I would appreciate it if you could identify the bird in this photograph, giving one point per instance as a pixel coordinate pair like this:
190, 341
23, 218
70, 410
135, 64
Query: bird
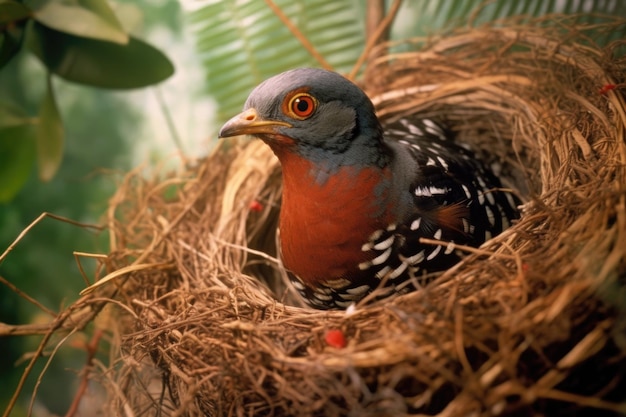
358, 196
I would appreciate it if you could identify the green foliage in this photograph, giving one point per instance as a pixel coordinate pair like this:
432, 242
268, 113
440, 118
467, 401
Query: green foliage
96, 62
95, 142
17, 139
49, 135
12, 14
19, 143
82, 41
101, 127
244, 42
87, 19
420, 18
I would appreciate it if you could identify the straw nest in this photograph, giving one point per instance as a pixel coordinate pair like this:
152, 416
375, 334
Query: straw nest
532, 323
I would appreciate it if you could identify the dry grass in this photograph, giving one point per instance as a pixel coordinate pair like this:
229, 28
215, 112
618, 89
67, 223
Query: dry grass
531, 324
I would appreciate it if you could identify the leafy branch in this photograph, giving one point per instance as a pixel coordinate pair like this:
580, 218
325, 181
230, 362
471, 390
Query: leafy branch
81, 41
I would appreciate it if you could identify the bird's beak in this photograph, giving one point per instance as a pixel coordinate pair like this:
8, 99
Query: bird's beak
248, 122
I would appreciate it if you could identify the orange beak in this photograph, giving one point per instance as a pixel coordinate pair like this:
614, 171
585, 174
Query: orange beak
248, 122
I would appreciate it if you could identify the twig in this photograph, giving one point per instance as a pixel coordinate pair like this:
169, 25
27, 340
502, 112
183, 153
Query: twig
459, 342
92, 348
23, 329
375, 14
36, 221
112, 383
27, 297
53, 327
24, 232
263, 255
27, 371
582, 400
123, 271
78, 255
465, 248
371, 41
299, 35
171, 126
45, 368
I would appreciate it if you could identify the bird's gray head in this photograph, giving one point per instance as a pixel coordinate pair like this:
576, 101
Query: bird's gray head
316, 113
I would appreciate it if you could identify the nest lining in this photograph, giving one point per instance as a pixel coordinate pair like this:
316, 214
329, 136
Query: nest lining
208, 326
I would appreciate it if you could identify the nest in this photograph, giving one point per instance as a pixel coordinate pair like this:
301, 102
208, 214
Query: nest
207, 326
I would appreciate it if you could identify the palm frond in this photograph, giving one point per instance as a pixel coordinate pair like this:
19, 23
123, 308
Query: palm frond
243, 42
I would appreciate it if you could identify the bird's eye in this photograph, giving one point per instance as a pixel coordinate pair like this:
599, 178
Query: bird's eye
300, 106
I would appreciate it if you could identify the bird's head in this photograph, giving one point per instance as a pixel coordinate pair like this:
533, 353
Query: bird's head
318, 114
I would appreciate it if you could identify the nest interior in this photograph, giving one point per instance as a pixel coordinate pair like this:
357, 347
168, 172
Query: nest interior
205, 325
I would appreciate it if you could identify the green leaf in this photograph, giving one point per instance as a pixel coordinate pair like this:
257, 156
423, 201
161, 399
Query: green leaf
130, 17
13, 116
243, 43
420, 18
12, 21
104, 10
50, 136
96, 21
98, 63
11, 11
17, 154
10, 43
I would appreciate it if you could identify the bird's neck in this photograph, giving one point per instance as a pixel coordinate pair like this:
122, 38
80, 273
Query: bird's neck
365, 148
328, 213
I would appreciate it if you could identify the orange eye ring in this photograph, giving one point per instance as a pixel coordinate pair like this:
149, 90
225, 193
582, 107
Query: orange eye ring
300, 106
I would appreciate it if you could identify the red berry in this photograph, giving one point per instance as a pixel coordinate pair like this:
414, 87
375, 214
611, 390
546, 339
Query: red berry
607, 87
335, 338
256, 206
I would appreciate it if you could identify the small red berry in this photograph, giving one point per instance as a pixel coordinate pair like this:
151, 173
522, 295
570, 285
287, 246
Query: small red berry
606, 88
335, 338
255, 206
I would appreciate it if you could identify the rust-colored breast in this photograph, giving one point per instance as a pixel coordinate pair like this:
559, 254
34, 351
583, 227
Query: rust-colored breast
323, 224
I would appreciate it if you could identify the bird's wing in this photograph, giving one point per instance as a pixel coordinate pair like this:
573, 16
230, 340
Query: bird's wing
455, 197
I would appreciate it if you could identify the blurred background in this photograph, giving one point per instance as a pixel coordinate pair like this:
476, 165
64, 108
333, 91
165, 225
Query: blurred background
78, 109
